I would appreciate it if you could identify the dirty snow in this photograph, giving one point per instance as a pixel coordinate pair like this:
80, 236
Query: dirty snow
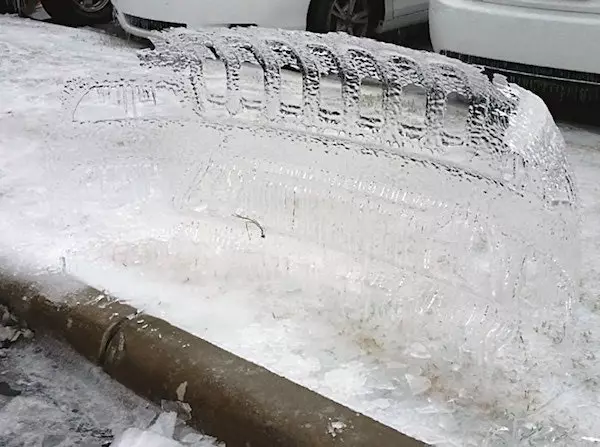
52, 397
114, 240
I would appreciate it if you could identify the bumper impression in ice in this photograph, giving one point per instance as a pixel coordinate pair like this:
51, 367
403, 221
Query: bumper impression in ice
434, 209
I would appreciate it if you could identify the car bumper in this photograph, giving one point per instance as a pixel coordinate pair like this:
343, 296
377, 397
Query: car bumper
536, 37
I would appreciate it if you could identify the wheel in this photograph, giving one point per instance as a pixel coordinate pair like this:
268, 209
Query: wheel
22, 7
356, 17
8, 7
79, 12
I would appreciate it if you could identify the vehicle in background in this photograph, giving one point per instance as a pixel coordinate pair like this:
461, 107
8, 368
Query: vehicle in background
551, 47
66, 12
559, 34
357, 17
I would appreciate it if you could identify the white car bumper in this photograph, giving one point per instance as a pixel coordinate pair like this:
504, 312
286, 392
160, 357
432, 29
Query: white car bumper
517, 34
289, 14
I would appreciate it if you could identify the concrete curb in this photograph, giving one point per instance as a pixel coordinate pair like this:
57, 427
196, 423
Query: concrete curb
226, 396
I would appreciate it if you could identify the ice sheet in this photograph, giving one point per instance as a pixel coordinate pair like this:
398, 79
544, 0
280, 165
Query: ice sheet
84, 199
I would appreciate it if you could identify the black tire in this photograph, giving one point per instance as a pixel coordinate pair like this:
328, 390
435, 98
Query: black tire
9, 6
325, 16
72, 12
22, 7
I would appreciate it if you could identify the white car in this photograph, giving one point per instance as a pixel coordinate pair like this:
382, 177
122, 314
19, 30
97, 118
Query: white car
548, 39
67, 12
358, 17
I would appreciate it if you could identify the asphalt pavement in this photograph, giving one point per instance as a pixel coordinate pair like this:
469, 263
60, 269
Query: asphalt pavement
52, 397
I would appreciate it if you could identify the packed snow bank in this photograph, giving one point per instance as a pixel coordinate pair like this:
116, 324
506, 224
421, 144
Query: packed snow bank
400, 270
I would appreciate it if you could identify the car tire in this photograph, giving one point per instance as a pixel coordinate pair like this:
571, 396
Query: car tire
72, 12
336, 15
9, 6
22, 7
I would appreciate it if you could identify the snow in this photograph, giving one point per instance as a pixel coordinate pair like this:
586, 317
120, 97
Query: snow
84, 201
160, 434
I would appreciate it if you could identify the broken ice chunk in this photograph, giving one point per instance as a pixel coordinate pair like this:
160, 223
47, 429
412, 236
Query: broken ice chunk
418, 384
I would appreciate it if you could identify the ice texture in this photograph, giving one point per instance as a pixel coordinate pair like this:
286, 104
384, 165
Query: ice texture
455, 231
161, 434
422, 212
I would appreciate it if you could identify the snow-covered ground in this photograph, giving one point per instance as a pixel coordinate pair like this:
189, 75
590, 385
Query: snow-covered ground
82, 200
52, 397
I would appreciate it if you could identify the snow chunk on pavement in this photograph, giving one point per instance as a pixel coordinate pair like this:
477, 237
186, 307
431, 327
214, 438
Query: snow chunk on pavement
134, 437
160, 434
